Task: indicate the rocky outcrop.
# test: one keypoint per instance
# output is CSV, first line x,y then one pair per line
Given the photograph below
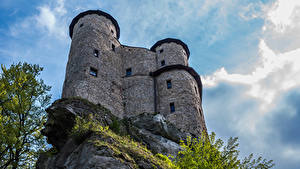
x,y
113,148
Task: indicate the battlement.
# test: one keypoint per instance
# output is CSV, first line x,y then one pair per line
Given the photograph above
x,y
130,80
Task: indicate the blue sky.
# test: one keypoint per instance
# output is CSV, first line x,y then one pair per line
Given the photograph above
x,y
246,51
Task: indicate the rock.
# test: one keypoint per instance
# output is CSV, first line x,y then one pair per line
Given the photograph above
x,y
106,149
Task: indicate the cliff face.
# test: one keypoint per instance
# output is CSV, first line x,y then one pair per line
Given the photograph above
x,y
127,147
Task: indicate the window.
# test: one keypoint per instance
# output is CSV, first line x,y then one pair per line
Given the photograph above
x,y
161,51
162,63
81,25
128,72
113,47
172,107
93,72
96,53
196,90
169,84
200,112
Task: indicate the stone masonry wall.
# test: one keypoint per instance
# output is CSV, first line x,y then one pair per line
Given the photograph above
x,y
185,96
172,53
131,95
95,34
138,89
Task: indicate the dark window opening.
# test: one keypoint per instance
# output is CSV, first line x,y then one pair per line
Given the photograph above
x,y
161,51
200,111
113,47
112,31
96,53
169,84
128,72
196,90
163,63
172,107
81,25
93,72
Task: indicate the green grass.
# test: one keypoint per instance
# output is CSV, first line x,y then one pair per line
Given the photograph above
x,y
123,147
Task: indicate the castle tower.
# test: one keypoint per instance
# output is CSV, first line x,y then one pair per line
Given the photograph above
x,y
94,68
178,87
131,80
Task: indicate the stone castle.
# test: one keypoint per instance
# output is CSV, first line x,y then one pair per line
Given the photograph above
x,y
132,80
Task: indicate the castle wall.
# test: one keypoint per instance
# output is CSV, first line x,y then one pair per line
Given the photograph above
x,y
97,71
185,96
138,88
172,53
95,34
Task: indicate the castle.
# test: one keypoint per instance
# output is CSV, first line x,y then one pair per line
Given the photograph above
x,y
132,80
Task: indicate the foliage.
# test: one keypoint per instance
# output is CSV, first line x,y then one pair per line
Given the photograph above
x,y
115,125
23,98
123,147
209,153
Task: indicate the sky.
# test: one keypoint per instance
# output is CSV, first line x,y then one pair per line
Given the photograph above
x,y
247,53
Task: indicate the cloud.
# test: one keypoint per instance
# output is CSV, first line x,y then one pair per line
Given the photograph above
x,y
46,18
274,73
283,14
50,19
262,105
53,19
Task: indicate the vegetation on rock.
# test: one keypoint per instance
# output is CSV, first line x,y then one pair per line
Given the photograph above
x,y
209,153
23,98
123,147
205,152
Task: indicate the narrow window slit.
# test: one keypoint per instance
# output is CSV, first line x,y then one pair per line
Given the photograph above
x,y
128,72
96,53
172,107
169,84
113,47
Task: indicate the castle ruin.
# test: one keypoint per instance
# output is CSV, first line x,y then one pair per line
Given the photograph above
x,y
132,80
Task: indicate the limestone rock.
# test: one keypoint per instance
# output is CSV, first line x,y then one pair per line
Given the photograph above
x,y
106,150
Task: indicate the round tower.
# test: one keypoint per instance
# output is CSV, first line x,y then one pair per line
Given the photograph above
x,y
178,87
171,51
94,68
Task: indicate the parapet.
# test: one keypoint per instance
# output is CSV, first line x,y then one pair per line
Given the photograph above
x,y
169,40
97,12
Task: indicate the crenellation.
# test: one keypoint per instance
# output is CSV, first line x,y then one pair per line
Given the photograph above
x,y
132,80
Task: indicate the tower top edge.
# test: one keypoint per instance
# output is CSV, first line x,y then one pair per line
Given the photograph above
x,y
169,40
190,70
97,12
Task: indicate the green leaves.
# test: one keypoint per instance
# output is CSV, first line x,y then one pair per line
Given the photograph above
x,y
23,98
208,153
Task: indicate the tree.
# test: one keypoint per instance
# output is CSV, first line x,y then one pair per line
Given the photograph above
x,y
23,98
206,153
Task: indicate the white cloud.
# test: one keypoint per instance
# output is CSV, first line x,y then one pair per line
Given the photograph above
x,y
53,19
46,18
283,14
275,73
